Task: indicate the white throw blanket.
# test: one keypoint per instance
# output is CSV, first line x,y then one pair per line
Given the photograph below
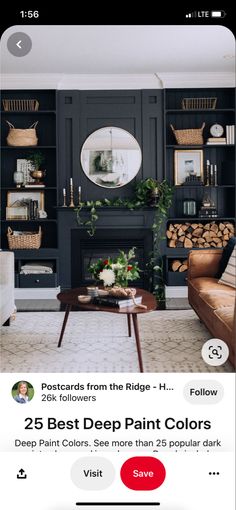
x,y
32,268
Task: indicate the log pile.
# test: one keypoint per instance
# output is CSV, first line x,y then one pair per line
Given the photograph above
x,y
199,235
179,265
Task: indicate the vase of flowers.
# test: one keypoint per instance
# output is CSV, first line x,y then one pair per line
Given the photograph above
x,y
116,272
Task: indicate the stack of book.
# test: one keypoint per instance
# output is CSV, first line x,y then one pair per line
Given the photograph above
x,y
33,208
216,141
115,302
230,135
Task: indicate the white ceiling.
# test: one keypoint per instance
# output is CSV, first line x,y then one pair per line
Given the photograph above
x,y
122,49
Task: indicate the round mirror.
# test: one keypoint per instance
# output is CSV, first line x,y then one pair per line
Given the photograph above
x,y
111,157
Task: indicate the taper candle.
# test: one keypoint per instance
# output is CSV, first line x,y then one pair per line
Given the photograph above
x,y
64,197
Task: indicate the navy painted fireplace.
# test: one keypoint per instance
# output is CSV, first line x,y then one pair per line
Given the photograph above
x,y
108,242
117,229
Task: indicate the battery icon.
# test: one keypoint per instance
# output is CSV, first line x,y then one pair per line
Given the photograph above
x,y
218,14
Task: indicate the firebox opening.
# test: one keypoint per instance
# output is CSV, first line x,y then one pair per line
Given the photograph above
x,y
108,242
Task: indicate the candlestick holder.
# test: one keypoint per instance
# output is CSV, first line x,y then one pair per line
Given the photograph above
x,y
71,196
64,198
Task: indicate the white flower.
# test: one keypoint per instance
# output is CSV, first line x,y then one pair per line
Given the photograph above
x,y
108,276
117,266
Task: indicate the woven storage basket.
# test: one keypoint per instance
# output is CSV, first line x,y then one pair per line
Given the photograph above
x,y
199,103
189,136
27,241
22,137
20,105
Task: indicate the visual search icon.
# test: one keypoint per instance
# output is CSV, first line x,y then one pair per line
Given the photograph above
x,y
215,352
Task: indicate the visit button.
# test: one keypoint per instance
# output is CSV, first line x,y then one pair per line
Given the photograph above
x,y
142,473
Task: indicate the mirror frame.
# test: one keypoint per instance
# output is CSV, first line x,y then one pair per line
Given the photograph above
x,y
115,186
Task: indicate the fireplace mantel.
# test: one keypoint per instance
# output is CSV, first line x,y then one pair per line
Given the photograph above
x,y
109,218
115,217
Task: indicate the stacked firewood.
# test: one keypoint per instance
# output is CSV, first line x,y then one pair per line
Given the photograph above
x,y
198,235
179,265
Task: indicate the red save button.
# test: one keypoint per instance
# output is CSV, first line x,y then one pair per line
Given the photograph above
x,y
142,473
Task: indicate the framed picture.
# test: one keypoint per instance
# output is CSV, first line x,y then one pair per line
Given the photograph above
x,y
25,166
24,205
18,198
187,163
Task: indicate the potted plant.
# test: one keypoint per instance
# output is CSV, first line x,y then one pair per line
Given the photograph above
x,y
36,159
147,191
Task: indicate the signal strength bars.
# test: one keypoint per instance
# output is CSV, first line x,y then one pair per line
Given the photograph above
x,y
191,15
206,14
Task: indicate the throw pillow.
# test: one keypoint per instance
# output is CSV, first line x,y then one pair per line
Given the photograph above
x,y
229,275
225,256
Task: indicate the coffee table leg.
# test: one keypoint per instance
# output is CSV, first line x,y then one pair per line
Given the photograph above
x,y
68,309
136,331
129,324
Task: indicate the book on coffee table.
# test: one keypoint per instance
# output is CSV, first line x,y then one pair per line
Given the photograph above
x,y
116,302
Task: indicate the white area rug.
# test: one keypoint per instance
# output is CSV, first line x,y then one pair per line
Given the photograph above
x,y
98,342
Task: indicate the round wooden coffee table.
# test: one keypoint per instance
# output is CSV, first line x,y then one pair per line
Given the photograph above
x,y
70,299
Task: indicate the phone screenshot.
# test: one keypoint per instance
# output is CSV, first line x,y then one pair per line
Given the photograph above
x,y
117,261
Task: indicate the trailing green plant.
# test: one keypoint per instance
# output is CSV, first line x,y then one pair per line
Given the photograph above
x,y
156,260
140,199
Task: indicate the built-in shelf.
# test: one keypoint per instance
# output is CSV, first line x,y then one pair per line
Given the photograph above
x,y
221,155
197,186
32,147
38,220
199,146
196,218
203,110
42,253
47,139
28,189
183,252
36,112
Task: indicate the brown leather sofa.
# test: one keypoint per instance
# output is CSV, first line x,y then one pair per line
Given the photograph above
x,y
214,303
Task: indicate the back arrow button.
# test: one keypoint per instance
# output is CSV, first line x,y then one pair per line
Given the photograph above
x,y
19,44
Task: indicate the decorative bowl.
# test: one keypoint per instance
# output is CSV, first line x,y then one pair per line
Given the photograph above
x,y
103,292
84,299
37,173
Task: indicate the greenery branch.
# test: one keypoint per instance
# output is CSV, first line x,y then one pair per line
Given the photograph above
x,y
141,198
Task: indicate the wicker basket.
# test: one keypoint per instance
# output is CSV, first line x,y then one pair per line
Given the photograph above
x,y
189,136
20,105
199,103
25,241
22,137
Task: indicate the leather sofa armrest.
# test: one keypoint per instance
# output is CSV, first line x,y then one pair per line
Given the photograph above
x,y
234,326
203,263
